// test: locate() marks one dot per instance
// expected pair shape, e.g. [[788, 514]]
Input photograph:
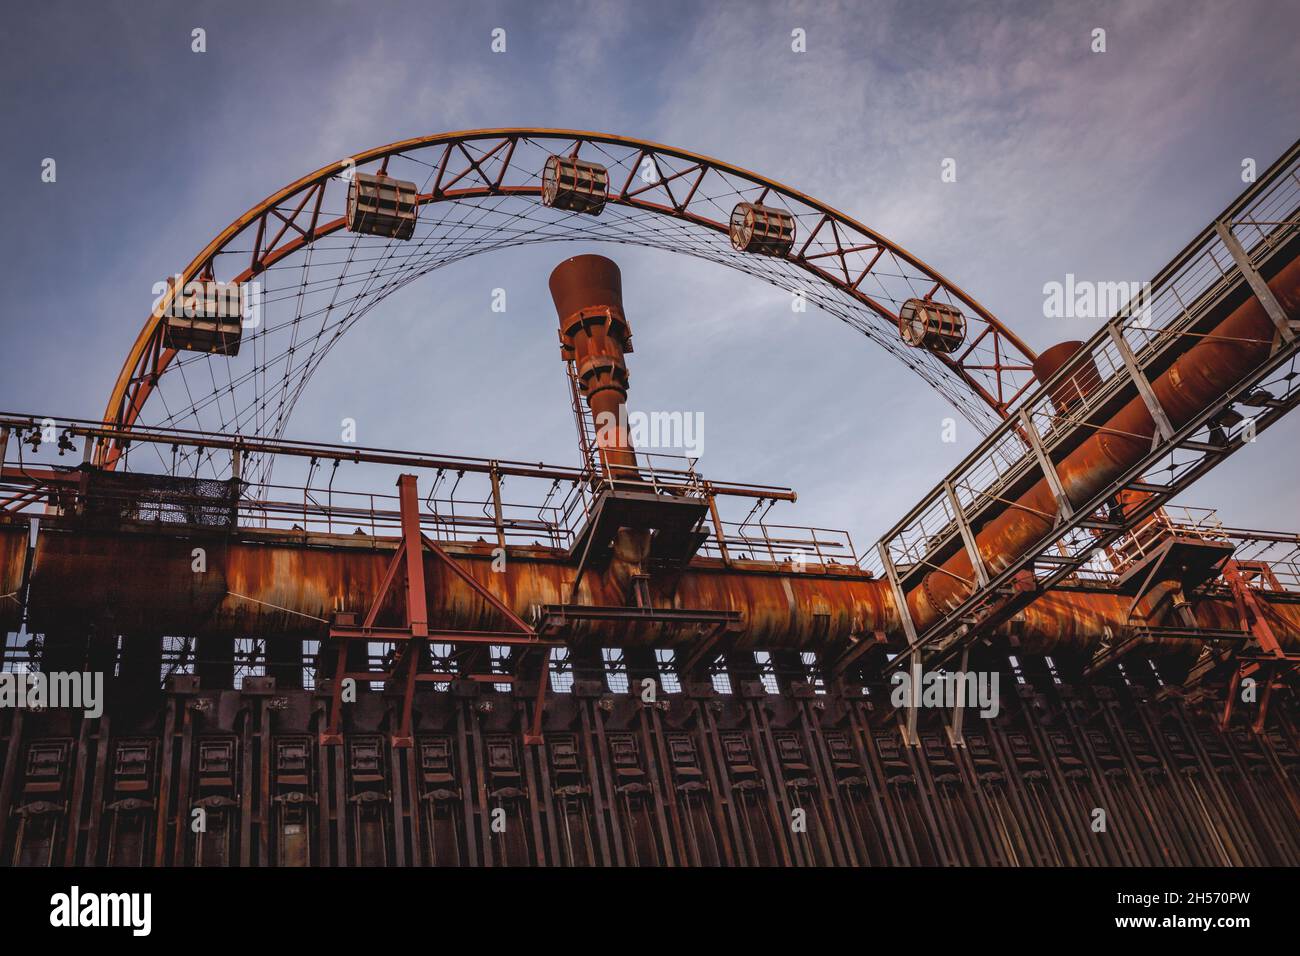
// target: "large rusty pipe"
[[266, 584], [1200, 376], [594, 335]]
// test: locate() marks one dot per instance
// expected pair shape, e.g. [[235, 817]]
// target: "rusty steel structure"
[[481, 190], [607, 667]]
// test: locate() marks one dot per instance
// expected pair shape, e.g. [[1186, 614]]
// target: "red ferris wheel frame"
[[837, 251]]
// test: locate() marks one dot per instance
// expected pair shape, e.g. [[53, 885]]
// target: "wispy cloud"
[[1068, 161]]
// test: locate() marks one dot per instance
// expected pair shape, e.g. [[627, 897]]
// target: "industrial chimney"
[[594, 335]]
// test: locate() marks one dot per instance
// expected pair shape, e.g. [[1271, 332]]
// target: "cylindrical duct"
[[1075, 387], [594, 335]]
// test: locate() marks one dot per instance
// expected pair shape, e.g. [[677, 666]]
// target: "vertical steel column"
[[909, 629], [402, 813], [609, 800], [165, 777], [12, 746], [1243, 839], [182, 821], [657, 772], [324, 805], [607, 838], [247, 712], [529, 755], [545, 803], [91, 855], [877, 789], [471, 787], [1126, 848], [75, 804], [342, 816], [263, 771], [1211, 841], [709, 751], [833, 806]]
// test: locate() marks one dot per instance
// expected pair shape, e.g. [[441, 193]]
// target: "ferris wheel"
[[233, 340]]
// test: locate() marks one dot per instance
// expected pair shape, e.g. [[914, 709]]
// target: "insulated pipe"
[[594, 335], [1200, 376]]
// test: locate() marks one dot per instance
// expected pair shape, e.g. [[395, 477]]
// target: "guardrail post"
[[1164, 429], [718, 532], [967, 536], [1064, 508], [910, 736], [1256, 281], [236, 457], [496, 506]]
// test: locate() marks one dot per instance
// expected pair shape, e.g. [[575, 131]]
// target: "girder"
[[480, 192]]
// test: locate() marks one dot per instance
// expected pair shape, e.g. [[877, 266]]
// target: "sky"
[[1101, 165]]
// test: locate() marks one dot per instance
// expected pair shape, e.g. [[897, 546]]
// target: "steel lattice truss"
[[479, 192]]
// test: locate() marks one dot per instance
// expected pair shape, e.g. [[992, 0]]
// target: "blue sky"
[[1100, 165]]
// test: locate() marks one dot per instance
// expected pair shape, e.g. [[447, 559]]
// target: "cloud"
[[1099, 164]]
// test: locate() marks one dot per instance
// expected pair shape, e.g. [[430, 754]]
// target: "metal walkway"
[[1147, 334]]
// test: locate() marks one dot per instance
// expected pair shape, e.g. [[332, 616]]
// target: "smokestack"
[[594, 335]]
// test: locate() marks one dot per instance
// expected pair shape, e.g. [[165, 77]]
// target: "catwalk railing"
[[1112, 366], [467, 499]]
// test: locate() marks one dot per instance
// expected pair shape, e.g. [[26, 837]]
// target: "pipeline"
[[261, 583], [1194, 380]]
